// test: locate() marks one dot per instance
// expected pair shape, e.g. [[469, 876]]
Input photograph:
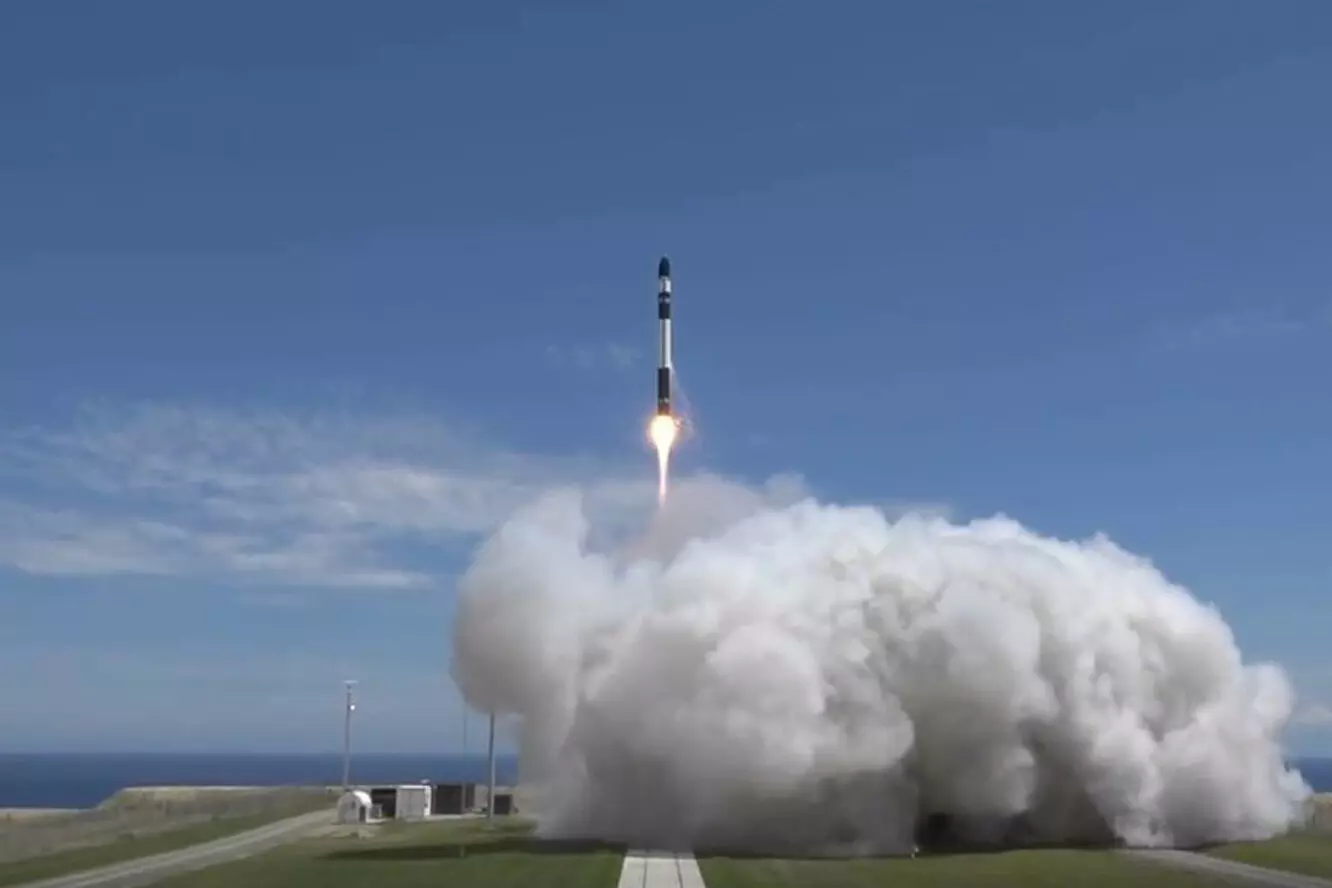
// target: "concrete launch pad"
[[660, 869]]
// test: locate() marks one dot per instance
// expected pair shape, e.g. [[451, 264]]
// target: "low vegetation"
[[478, 854], [1306, 852], [399, 855], [130, 827], [1037, 869]]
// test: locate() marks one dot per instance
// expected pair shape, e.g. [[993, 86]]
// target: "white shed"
[[354, 807], [413, 803]]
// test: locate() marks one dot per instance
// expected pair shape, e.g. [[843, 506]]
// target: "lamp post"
[[346, 735], [490, 754]]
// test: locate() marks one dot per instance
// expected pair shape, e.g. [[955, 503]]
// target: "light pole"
[[490, 803], [346, 735]]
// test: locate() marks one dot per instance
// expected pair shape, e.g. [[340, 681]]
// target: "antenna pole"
[[349, 708]]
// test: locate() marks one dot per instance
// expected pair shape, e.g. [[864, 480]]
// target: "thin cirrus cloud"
[[279, 499], [1254, 325], [262, 496], [612, 356], [1314, 715]]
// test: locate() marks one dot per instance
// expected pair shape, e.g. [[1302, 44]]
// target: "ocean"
[[61, 780], [72, 780]]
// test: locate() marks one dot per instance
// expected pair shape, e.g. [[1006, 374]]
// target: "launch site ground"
[[407, 855], [475, 854], [267, 847], [139, 823], [46, 866], [1301, 852]]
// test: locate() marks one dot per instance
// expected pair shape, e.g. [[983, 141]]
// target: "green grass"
[[1299, 852], [75, 860], [475, 854], [1010, 869], [428, 855]]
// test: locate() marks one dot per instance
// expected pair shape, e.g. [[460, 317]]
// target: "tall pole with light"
[[346, 735], [490, 754]]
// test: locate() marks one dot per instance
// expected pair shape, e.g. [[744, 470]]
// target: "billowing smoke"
[[757, 670]]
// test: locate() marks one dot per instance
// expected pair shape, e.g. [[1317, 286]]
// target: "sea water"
[[73, 780]]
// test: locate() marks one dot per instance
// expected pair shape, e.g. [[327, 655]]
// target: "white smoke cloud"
[[759, 670]]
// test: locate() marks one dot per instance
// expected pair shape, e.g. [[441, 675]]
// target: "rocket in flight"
[[665, 365], [664, 427]]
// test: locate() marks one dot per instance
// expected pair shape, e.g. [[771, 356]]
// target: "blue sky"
[[299, 298]]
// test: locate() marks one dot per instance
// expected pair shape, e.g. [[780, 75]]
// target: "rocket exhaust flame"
[[662, 431]]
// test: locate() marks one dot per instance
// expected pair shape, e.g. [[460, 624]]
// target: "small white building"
[[412, 803], [354, 806]]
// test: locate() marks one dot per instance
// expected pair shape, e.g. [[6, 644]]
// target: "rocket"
[[665, 365]]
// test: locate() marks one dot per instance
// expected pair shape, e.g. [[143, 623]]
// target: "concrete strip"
[[690, 875], [1230, 869], [146, 870], [634, 872], [660, 869]]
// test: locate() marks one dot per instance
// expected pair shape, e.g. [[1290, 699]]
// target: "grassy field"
[[1300, 852], [462, 853], [477, 855], [76, 860], [140, 812], [1010, 869]]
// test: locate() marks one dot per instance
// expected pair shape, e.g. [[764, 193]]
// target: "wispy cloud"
[[274, 498], [277, 499], [607, 356], [1314, 715], [1229, 328]]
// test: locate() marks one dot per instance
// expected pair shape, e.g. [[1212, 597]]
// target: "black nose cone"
[[664, 268]]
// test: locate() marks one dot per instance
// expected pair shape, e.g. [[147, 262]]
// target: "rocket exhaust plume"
[[664, 428], [662, 431], [758, 670]]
